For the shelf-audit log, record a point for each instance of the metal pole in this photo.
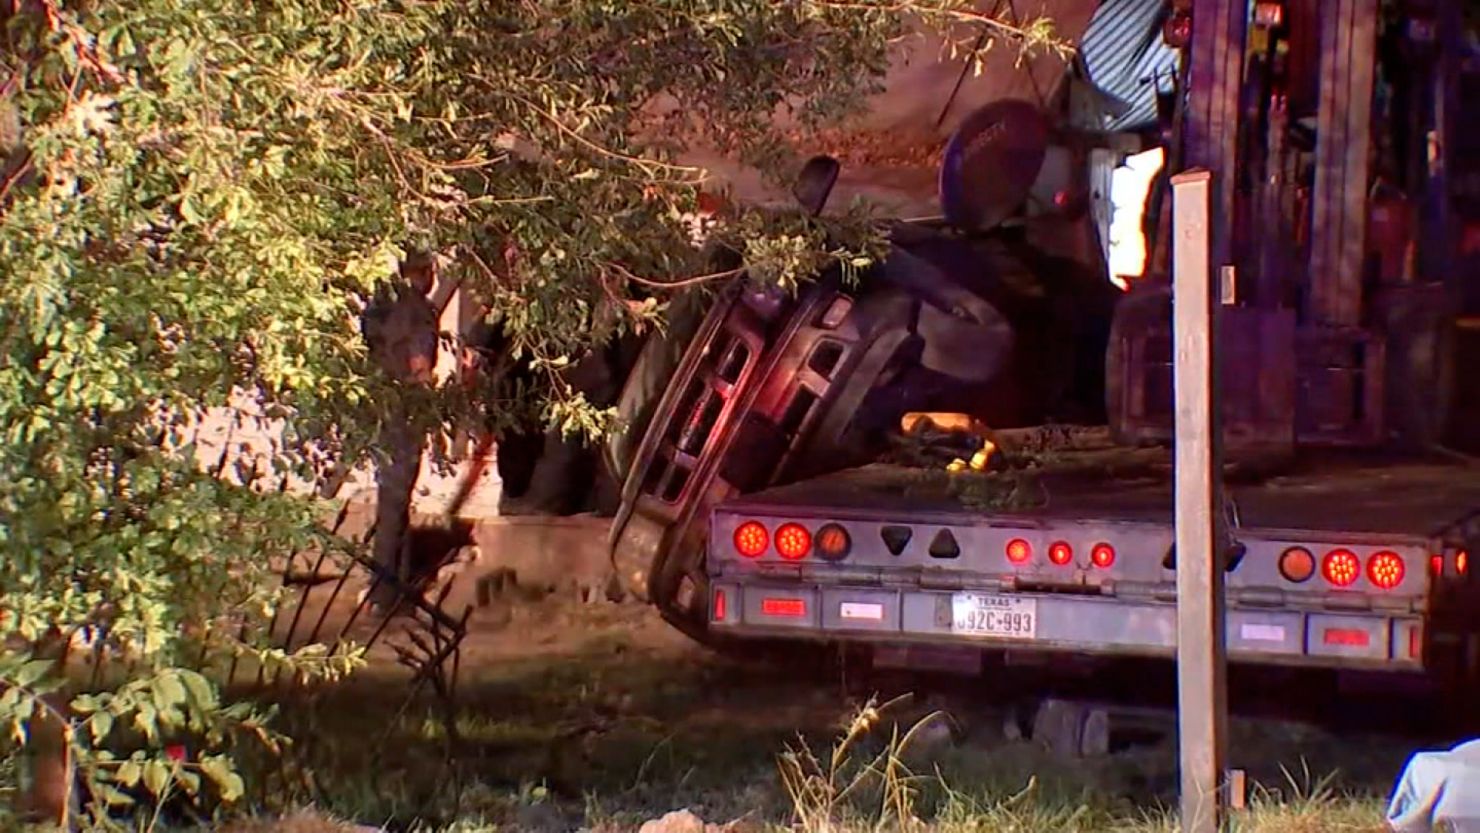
(1202, 709)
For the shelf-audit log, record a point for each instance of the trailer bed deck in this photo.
(1330, 492)
(1070, 549)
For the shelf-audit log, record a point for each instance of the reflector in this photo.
(896, 538)
(792, 608)
(1351, 637)
(944, 545)
(1341, 568)
(1019, 551)
(1385, 570)
(833, 542)
(867, 611)
(1060, 553)
(793, 542)
(751, 539)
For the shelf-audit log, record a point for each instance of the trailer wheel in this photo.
(1072, 730)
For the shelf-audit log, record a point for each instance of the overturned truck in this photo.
(763, 494)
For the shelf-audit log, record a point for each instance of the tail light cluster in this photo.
(1061, 553)
(1341, 567)
(792, 541)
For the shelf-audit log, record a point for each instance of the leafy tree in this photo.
(198, 195)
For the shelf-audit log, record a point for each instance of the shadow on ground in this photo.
(578, 715)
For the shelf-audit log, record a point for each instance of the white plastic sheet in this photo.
(1438, 788)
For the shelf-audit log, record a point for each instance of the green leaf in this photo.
(128, 773)
(11, 702)
(32, 672)
(202, 693)
(168, 691)
(99, 725)
(188, 781)
(232, 788)
(189, 210)
(156, 777)
(146, 720)
(112, 796)
(219, 770)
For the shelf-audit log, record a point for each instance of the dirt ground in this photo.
(571, 715)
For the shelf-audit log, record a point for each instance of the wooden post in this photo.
(1202, 710)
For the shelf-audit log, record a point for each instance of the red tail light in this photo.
(1436, 565)
(1019, 551)
(719, 606)
(1103, 556)
(751, 539)
(793, 542)
(1385, 570)
(1060, 553)
(1341, 568)
(1297, 564)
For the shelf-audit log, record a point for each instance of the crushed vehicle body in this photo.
(774, 493)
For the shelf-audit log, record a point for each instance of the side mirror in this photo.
(815, 183)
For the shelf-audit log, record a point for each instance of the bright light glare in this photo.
(1130, 185)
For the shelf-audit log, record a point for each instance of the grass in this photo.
(869, 780)
(523, 767)
(609, 730)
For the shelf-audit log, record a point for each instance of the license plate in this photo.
(1006, 616)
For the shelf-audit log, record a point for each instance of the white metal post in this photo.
(1202, 709)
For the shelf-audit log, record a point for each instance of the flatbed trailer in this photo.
(1341, 560)
(1332, 343)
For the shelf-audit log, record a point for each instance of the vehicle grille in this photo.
(691, 430)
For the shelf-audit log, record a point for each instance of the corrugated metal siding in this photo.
(1122, 46)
